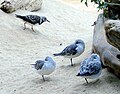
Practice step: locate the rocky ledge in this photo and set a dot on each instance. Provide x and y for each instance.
(108, 53)
(112, 28)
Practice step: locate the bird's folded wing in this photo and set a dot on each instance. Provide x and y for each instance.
(39, 64)
(70, 50)
(33, 18)
(89, 68)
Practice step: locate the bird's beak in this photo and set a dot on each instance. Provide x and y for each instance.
(48, 21)
(78, 74)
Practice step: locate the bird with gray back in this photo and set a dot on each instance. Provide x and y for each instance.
(91, 67)
(44, 67)
(32, 20)
(73, 50)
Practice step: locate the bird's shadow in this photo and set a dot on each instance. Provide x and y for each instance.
(69, 66)
(97, 81)
(35, 32)
(40, 80)
(110, 80)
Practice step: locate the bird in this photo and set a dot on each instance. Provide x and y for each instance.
(32, 19)
(44, 67)
(73, 50)
(91, 67)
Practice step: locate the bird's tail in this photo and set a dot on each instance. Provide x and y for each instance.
(19, 16)
(57, 54)
(33, 65)
(78, 74)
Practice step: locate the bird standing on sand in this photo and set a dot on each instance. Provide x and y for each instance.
(44, 67)
(32, 19)
(91, 67)
(73, 50)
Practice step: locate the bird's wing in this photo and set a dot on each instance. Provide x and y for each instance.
(39, 64)
(70, 50)
(33, 19)
(88, 68)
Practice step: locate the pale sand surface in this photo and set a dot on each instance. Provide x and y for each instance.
(19, 48)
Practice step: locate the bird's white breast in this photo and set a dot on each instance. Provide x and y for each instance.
(47, 69)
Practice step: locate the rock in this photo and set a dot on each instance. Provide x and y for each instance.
(112, 29)
(9, 6)
(107, 52)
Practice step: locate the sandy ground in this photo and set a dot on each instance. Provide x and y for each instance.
(19, 48)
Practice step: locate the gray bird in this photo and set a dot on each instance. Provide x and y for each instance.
(73, 50)
(32, 19)
(44, 67)
(90, 68)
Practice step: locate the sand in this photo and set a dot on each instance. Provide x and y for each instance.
(19, 48)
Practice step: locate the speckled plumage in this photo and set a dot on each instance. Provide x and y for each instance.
(32, 19)
(90, 67)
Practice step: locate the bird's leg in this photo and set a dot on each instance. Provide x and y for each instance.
(71, 62)
(24, 26)
(43, 77)
(32, 28)
(86, 80)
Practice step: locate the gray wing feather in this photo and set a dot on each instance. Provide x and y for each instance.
(70, 50)
(39, 64)
(33, 19)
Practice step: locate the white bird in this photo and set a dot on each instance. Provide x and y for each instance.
(73, 50)
(91, 67)
(45, 67)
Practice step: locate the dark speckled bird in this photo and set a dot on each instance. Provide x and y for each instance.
(32, 19)
(91, 67)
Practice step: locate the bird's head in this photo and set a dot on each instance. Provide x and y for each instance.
(95, 57)
(79, 41)
(48, 58)
(44, 19)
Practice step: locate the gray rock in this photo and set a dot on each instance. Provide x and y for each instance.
(9, 6)
(107, 52)
(112, 28)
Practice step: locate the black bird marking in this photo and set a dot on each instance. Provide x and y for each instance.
(38, 64)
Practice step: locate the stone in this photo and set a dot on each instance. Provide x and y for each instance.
(108, 53)
(10, 6)
(112, 30)
(7, 7)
